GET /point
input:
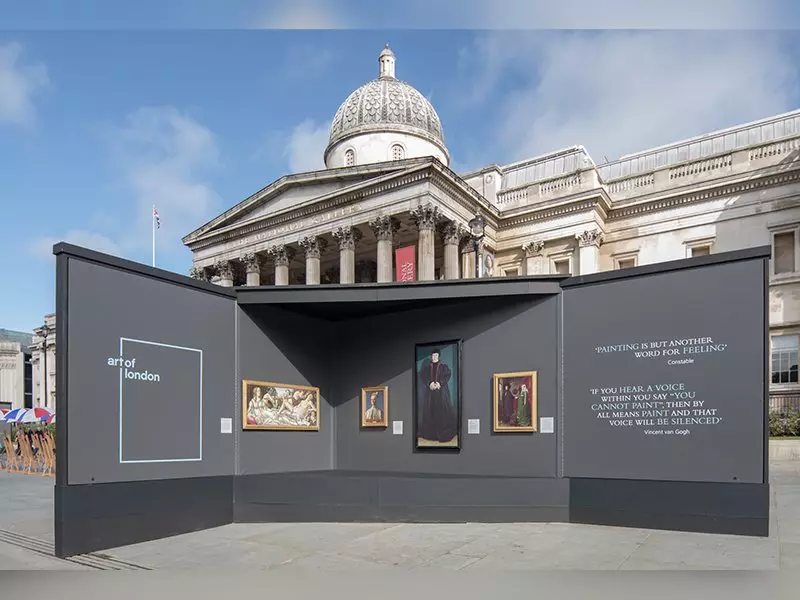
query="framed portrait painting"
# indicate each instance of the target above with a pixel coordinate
(375, 406)
(437, 395)
(267, 405)
(515, 401)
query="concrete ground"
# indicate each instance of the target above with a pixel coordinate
(27, 514)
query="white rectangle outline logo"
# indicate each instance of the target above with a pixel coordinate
(122, 340)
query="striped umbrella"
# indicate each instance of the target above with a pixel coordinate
(35, 415)
(13, 416)
(50, 419)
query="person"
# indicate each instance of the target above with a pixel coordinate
(523, 414)
(438, 419)
(373, 414)
(507, 405)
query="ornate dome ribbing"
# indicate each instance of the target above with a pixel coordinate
(386, 104)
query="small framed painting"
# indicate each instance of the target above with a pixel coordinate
(375, 406)
(267, 405)
(515, 401)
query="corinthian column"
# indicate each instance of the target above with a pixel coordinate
(533, 257)
(347, 237)
(451, 234)
(313, 247)
(252, 264)
(198, 273)
(589, 251)
(281, 255)
(384, 229)
(224, 269)
(425, 218)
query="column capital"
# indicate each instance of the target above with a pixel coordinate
(384, 227)
(198, 273)
(468, 245)
(426, 216)
(533, 248)
(452, 233)
(252, 262)
(592, 237)
(347, 237)
(281, 254)
(313, 246)
(224, 269)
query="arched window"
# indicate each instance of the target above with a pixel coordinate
(397, 152)
(349, 158)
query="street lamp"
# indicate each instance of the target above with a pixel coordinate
(476, 227)
(44, 331)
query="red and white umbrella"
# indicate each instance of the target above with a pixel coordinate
(35, 415)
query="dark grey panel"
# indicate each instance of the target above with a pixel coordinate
(160, 420)
(741, 509)
(499, 335)
(337, 496)
(89, 518)
(722, 303)
(283, 347)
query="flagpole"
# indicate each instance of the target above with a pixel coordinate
(153, 219)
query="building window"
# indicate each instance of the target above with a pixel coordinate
(784, 358)
(398, 153)
(349, 158)
(626, 261)
(699, 247)
(561, 267)
(784, 251)
(699, 251)
(511, 272)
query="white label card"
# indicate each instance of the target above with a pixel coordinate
(226, 425)
(546, 425)
(397, 427)
(473, 426)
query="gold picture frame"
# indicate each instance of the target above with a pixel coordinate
(514, 399)
(381, 419)
(267, 405)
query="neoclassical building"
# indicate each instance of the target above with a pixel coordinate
(387, 184)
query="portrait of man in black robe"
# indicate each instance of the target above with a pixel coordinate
(437, 415)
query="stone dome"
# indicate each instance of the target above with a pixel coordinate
(386, 104)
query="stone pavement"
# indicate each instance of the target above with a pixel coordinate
(472, 546)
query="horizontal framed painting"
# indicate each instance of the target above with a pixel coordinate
(437, 395)
(375, 406)
(275, 406)
(515, 402)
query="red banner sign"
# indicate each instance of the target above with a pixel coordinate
(405, 263)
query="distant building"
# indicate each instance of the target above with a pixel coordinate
(387, 184)
(16, 378)
(43, 358)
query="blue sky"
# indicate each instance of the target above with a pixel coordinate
(96, 126)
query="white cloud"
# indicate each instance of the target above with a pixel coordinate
(19, 83)
(306, 146)
(43, 247)
(164, 156)
(303, 14)
(619, 92)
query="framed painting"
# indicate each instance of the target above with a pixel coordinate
(275, 406)
(375, 406)
(437, 395)
(515, 401)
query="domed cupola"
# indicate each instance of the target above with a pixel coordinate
(385, 119)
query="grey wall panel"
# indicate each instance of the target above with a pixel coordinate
(499, 335)
(283, 347)
(124, 429)
(719, 304)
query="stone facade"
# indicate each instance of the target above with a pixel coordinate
(15, 382)
(555, 214)
(43, 359)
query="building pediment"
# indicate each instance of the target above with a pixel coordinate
(304, 200)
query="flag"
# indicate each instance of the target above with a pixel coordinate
(156, 218)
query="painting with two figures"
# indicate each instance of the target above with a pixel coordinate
(437, 395)
(515, 401)
(375, 407)
(269, 405)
